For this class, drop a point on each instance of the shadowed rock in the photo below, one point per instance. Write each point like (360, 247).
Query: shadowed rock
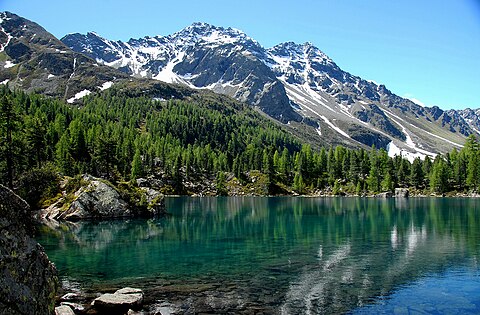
(28, 281)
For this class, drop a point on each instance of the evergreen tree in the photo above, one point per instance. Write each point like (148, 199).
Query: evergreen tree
(137, 167)
(439, 176)
(373, 179)
(221, 184)
(416, 173)
(9, 125)
(298, 183)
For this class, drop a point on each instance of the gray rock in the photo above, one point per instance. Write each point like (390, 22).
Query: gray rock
(129, 290)
(387, 194)
(74, 306)
(64, 310)
(95, 200)
(155, 200)
(120, 301)
(28, 281)
(72, 297)
(402, 192)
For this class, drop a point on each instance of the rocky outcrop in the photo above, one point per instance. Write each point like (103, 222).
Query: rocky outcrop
(97, 199)
(28, 281)
(387, 194)
(120, 301)
(402, 192)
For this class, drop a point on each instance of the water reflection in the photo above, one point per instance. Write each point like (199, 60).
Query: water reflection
(295, 255)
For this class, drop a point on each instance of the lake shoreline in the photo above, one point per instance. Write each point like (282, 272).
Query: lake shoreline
(245, 255)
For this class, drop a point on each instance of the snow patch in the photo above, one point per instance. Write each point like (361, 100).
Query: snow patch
(416, 101)
(167, 75)
(78, 96)
(9, 64)
(9, 37)
(4, 82)
(340, 131)
(319, 131)
(394, 150)
(50, 76)
(105, 85)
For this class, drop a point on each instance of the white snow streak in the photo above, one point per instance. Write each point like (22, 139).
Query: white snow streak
(106, 85)
(394, 150)
(77, 96)
(9, 64)
(340, 131)
(167, 75)
(9, 37)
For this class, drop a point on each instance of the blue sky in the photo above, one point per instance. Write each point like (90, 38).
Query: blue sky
(428, 49)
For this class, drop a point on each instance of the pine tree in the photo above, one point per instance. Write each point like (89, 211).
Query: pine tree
(221, 184)
(298, 183)
(9, 125)
(137, 167)
(416, 173)
(473, 169)
(439, 176)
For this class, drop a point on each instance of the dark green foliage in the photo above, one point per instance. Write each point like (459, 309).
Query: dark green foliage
(221, 184)
(38, 185)
(205, 137)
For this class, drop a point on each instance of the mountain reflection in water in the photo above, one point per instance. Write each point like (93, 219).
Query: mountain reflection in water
(282, 254)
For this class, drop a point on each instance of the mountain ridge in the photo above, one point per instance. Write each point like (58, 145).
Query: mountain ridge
(296, 84)
(306, 81)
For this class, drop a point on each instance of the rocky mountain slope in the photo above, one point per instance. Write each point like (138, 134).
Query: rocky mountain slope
(33, 60)
(296, 84)
(290, 82)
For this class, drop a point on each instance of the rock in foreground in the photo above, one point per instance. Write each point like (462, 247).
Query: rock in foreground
(64, 310)
(120, 301)
(28, 281)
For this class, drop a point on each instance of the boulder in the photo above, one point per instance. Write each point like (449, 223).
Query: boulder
(387, 194)
(402, 192)
(155, 201)
(98, 199)
(64, 310)
(119, 302)
(28, 281)
(74, 306)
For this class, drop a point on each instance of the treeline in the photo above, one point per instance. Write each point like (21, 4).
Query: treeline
(121, 138)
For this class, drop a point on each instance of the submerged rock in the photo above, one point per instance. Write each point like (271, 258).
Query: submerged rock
(28, 280)
(119, 302)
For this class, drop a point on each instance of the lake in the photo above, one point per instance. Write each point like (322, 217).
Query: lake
(285, 255)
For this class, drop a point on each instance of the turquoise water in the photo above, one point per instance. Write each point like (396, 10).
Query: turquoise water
(285, 255)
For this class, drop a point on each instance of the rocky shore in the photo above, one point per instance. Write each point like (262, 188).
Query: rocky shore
(28, 281)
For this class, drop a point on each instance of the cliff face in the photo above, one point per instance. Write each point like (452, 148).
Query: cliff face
(28, 280)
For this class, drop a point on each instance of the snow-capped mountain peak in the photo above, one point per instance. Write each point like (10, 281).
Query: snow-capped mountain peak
(299, 51)
(290, 82)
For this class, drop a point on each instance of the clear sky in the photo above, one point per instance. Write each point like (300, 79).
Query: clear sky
(428, 50)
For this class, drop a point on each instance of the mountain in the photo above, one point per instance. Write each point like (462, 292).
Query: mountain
(290, 82)
(33, 60)
(296, 84)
